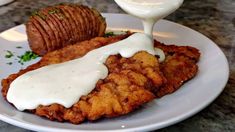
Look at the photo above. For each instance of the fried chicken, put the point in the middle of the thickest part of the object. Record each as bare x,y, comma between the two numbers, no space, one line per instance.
129,84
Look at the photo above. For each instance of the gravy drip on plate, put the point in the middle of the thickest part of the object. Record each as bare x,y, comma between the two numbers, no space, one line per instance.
66,82
149,11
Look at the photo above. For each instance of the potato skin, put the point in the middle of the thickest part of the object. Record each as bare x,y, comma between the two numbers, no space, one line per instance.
55,27
34,34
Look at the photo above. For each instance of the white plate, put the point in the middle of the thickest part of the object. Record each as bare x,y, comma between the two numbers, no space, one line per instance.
190,99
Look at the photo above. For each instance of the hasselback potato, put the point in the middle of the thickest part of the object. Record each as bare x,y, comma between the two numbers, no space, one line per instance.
55,27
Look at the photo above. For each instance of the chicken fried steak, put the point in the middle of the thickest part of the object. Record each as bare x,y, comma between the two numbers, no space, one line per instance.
128,85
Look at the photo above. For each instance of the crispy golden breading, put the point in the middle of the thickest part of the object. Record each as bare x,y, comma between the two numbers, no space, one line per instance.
179,66
127,86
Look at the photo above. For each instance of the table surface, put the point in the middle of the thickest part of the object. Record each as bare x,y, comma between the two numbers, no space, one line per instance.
213,18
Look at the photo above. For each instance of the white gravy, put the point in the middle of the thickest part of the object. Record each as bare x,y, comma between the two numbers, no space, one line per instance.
66,82
149,11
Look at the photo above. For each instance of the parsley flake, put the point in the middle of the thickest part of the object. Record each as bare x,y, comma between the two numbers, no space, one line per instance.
109,34
9,54
27,56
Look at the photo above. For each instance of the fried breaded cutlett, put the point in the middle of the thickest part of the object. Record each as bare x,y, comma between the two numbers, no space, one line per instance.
130,83
178,67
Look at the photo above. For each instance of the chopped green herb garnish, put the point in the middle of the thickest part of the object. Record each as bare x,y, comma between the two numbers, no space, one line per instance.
21,62
57,11
54,11
9,63
9,54
36,13
43,16
27,56
61,16
109,34
18,47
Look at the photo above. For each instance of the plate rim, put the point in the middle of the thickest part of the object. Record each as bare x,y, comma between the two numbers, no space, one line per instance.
151,126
